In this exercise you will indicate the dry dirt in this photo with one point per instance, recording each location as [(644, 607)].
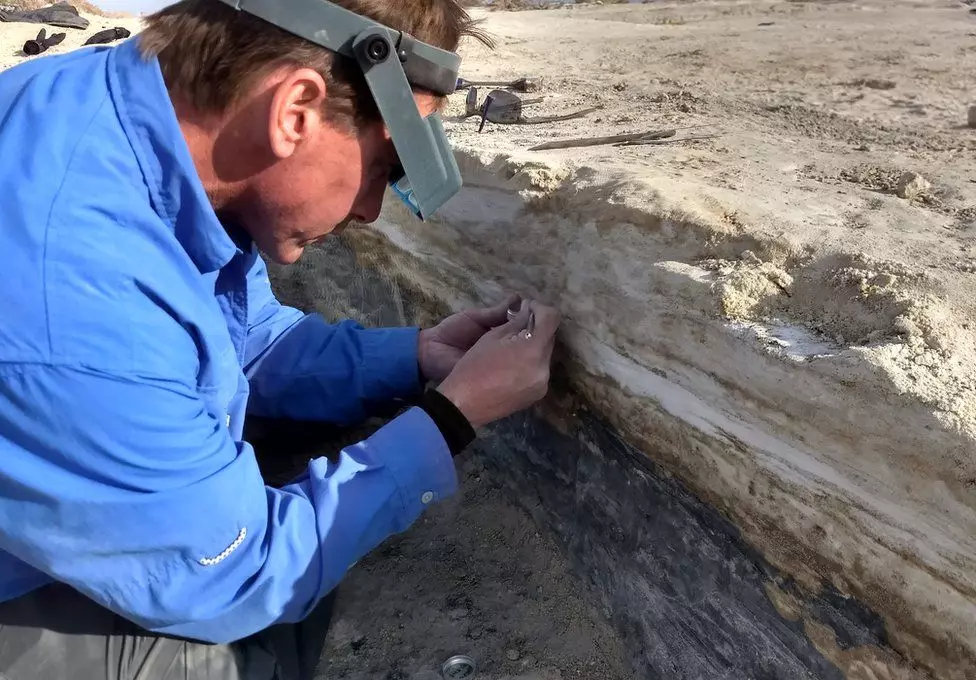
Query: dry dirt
[(474, 577), (781, 314)]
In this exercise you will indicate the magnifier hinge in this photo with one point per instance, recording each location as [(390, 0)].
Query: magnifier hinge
[(377, 49)]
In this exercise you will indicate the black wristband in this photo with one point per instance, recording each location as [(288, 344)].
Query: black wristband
[(453, 424)]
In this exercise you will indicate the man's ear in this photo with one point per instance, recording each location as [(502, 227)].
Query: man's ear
[(295, 114)]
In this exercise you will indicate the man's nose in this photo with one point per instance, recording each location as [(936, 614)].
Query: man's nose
[(368, 208)]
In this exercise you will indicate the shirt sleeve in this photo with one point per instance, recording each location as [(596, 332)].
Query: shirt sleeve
[(128, 489), (302, 367)]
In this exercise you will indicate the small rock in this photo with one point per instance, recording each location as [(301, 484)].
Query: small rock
[(750, 257), (512, 654), (911, 185), (972, 116), (879, 84), (883, 280)]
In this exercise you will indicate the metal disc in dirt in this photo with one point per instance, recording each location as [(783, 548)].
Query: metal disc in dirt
[(458, 667)]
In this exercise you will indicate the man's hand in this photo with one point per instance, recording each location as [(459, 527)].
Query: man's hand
[(507, 370), (442, 346)]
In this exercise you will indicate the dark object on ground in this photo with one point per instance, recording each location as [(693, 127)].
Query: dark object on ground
[(499, 110), (60, 14), (505, 107), (520, 85), (42, 42), (108, 35), (598, 141)]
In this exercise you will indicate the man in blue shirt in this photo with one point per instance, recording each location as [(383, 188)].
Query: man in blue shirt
[(137, 536)]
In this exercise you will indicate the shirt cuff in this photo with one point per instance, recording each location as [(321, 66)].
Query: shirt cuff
[(391, 367), (421, 464)]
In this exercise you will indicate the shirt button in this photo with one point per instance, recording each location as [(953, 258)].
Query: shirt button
[(427, 497)]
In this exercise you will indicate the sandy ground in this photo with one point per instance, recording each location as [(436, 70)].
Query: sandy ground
[(783, 314), (819, 108), (473, 577)]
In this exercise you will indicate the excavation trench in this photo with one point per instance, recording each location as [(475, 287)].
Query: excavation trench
[(757, 456)]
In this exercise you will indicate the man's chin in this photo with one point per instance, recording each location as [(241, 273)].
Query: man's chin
[(286, 253)]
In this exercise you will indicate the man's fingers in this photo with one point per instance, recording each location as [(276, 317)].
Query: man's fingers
[(546, 320), (490, 317), (516, 323)]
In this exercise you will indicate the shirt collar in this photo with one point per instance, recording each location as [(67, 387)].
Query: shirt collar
[(177, 195)]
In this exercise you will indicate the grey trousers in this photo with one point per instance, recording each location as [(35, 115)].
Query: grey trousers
[(55, 633)]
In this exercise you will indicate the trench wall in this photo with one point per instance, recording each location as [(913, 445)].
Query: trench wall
[(742, 508)]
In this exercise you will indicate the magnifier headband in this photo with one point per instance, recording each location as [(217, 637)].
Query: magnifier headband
[(391, 61)]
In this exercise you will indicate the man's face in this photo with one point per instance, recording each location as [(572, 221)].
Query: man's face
[(317, 176)]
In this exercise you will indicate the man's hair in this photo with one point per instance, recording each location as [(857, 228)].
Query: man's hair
[(210, 53)]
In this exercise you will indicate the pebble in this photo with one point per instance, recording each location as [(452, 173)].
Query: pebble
[(912, 185), (750, 257), (512, 654)]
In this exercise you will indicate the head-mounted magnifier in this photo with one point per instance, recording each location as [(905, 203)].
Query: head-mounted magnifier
[(391, 62)]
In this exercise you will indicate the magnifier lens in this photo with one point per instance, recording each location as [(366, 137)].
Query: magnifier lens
[(401, 187)]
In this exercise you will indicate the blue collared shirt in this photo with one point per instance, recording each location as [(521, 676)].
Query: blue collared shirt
[(135, 337)]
